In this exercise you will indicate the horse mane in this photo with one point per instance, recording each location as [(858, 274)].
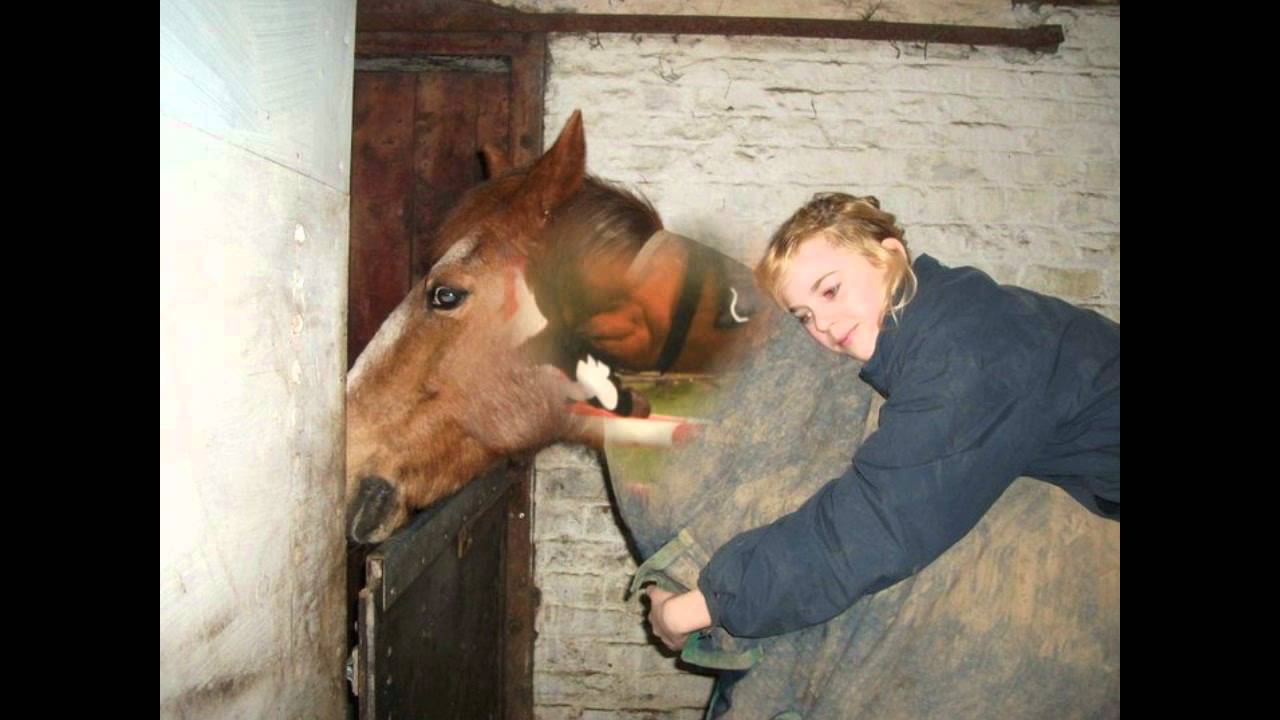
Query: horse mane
[(600, 220), (602, 217)]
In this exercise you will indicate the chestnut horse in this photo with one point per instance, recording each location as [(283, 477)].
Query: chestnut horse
[(546, 282)]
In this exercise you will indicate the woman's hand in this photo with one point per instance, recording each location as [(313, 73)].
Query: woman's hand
[(673, 616)]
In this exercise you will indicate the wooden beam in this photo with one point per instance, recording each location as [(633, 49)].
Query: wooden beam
[(407, 44), (441, 16), (1075, 3), (528, 87)]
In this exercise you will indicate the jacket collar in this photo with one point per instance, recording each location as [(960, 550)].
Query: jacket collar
[(887, 360)]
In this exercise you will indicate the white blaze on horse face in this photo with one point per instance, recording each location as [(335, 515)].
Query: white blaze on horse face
[(393, 327), (456, 253), (388, 334), (527, 320)]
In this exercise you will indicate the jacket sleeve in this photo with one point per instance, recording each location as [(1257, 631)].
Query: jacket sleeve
[(952, 437)]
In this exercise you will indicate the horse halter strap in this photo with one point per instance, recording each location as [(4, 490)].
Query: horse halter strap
[(690, 292)]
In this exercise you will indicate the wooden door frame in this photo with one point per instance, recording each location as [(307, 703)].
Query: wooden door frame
[(526, 55)]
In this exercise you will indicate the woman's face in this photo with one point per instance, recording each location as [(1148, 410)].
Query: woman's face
[(838, 295)]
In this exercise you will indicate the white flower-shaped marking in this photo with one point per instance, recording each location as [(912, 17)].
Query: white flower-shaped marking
[(594, 375)]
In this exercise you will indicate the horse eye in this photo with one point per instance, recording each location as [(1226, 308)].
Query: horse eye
[(444, 297)]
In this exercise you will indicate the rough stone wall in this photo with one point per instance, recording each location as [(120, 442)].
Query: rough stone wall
[(592, 658), (1003, 159)]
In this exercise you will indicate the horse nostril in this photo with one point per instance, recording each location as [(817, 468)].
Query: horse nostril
[(375, 501)]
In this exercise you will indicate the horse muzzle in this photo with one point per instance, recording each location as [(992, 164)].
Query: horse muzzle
[(374, 513)]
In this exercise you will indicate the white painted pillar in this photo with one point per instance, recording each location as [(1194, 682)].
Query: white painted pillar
[(255, 130)]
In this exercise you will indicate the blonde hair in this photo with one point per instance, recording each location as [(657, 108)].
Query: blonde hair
[(845, 221)]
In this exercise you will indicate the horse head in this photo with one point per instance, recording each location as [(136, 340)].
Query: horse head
[(547, 281), (445, 388)]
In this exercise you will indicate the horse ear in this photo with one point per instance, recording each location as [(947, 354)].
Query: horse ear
[(495, 161), (556, 176)]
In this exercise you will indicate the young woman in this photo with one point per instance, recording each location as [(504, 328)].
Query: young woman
[(983, 383)]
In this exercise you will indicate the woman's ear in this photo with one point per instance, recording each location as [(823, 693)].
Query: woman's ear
[(893, 244)]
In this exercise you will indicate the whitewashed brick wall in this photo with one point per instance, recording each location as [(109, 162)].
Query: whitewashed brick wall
[(1003, 159), (593, 658)]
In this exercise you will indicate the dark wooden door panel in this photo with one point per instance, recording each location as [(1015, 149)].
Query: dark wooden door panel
[(434, 616), (382, 146), (456, 114), (445, 608), (415, 151)]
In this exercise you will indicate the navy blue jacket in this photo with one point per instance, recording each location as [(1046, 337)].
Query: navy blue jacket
[(982, 383)]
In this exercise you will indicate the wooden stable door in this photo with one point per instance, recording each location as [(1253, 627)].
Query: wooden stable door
[(414, 151), (444, 608)]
